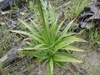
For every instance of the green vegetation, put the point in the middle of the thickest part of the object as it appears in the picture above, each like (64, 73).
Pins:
(44, 39)
(94, 36)
(76, 7)
(47, 40)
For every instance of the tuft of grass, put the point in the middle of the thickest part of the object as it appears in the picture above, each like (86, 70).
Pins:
(94, 37)
(46, 40)
(76, 7)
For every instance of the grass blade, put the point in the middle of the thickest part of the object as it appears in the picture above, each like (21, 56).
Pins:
(53, 21)
(29, 35)
(65, 31)
(72, 48)
(30, 27)
(36, 54)
(51, 66)
(63, 57)
(36, 47)
(41, 13)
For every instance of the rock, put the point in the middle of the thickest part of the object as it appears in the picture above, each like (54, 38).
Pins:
(90, 14)
(6, 3)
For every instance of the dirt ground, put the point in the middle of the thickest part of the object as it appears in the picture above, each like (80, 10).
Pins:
(91, 58)
(31, 66)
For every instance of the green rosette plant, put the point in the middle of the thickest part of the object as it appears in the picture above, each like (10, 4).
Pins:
(48, 42)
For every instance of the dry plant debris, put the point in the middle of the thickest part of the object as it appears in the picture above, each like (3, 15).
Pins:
(90, 14)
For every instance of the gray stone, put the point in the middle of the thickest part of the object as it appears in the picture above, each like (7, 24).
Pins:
(5, 3)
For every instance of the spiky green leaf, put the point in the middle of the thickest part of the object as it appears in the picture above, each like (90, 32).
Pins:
(72, 48)
(36, 54)
(29, 35)
(64, 57)
(51, 66)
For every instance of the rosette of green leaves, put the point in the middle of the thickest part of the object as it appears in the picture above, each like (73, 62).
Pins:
(48, 39)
